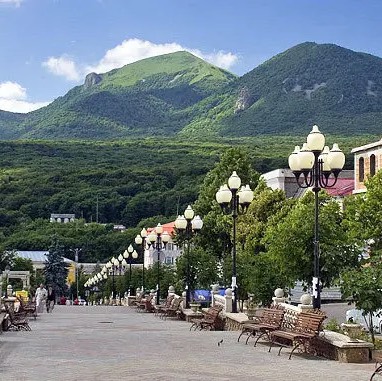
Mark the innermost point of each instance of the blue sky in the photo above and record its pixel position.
(48, 46)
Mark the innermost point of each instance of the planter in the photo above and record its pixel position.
(195, 306)
(353, 330)
(251, 312)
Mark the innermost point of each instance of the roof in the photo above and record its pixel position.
(169, 228)
(343, 187)
(36, 256)
(367, 146)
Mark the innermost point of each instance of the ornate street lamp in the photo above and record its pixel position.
(189, 224)
(6, 272)
(319, 168)
(140, 240)
(158, 239)
(129, 254)
(234, 200)
(113, 266)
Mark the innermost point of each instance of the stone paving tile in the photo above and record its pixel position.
(91, 343)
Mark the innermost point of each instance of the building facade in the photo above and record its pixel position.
(168, 255)
(285, 180)
(367, 162)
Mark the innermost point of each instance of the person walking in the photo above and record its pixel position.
(51, 299)
(41, 295)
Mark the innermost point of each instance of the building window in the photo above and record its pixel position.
(361, 169)
(169, 261)
(372, 165)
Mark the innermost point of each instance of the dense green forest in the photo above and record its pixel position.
(133, 182)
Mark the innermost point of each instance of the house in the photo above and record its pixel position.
(285, 180)
(367, 162)
(59, 217)
(168, 255)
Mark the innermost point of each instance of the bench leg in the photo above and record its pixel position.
(377, 371)
(241, 334)
(260, 336)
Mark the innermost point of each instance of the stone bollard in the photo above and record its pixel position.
(228, 300)
(9, 291)
(171, 290)
(214, 291)
(184, 295)
(279, 296)
(306, 302)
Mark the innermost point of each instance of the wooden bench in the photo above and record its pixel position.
(146, 304)
(270, 319)
(167, 304)
(29, 308)
(209, 320)
(300, 334)
(173, 310)
(137, 300)
(16, 321)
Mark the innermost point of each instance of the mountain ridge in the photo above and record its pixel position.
(180, 94)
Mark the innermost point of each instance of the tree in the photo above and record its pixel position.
(259, 273)
(202, 266)
(289, 241)
(363, 216)
(23, 264)
(363, 287)
(216, 236)
(56, 270)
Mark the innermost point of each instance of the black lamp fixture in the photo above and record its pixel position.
(158, 239)
(140, 240)
(189, 224)
(130, 254)
(315, 166)
(234, 199)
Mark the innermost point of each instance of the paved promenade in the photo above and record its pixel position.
(94, 343)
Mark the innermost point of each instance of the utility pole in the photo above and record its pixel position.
(76, 252)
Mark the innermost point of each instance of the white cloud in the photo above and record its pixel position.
(222, 59)
(14, 105)
(13, 97)
(63, 66)
(134, 49)
(12, 90)
(127, 52)
(17, 3)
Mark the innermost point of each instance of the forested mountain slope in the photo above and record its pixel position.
(180, 94)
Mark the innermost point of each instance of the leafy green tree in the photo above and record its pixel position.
(7, 258)
(363, 287)
(202, 267)
(216, 236)
(289, 241)
(23, 264)
(259, 273)
(363, 216)
(56, 270)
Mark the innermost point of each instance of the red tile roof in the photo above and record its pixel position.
(343, 187)
(169, 228)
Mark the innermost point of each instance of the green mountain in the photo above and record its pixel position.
(180, 94)
(149, 97)
(336, 88)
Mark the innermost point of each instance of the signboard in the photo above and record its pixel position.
(71, 273)
(22, 294)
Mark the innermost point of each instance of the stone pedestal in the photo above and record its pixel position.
(130, 300)
(346, 349)
(279, 296)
